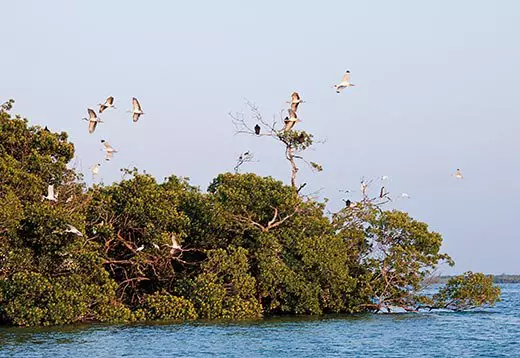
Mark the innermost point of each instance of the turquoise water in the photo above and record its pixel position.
(493, 332)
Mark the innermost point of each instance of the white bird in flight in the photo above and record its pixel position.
(92, 120)
(50, 194)
(345, 82)
(109, 103)
(137, 111)
(290, 121)
(109, 150)
(405, 196)
(295, 101)
(95, 169)
(458, 174)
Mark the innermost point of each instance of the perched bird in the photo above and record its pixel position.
(405, 196)
(50, 194)
(140, 248)
(295, 101)
(109, 103)
(137, 110)
(345, 82)
(175, 245)
(95, 169)
(155, 246)
(109, 150)
(93, 120)
(301, 138)
(458, 174)
(46, 129)
(257, 129)
(363, 187)
(71, 229)
(290, 121)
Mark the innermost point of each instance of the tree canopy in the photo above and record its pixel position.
(247, 247)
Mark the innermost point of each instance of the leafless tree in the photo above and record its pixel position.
(294, 142)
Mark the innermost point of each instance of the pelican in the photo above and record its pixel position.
(93, 120)
(290, 121)
(257, 129)
(295, 101)
(458, 174)
(109, 103)
(345, 82)
(137, 110)
(50, 194)
(71, 229)
(109, 150)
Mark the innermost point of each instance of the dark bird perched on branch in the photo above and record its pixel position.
(257, 129)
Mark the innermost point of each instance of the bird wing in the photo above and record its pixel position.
(110, 100)
(294, 106)
(346, 77)
(136, 116)
(92, 126)
(295, 96)
(108, 147)
(137, 106)
(92, 115)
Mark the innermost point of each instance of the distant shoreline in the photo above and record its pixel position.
(502, 278)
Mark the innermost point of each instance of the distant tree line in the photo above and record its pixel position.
(246, 248)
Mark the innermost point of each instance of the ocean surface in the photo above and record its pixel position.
(490, 332)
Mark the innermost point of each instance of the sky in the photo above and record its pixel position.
(437, 90)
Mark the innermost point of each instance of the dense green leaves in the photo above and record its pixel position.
(247, 248)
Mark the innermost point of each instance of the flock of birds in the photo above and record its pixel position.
(137, 111)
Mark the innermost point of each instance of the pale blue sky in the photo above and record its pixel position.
(437, 90)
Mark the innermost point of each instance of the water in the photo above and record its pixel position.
(493, 332)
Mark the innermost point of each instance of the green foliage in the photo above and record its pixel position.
(163, 306)
(467, 291)
(249, 247)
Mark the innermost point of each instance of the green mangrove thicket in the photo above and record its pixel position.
(246, 248)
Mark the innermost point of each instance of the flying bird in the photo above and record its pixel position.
(50, 194)
(290, 121)
(71, 229)
(405, 196)
(137, 110)
(109, 103)
(257, 129)
(345, 82)
(295, 101)
(109, 150)
(95, 169)
(93, 120)
(458, 174)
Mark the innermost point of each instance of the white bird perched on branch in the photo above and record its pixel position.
(109, 103)
(109, 150)
(345, 82)
(137, 111)
(50, 194)
(93, 120)
(175, 245)
(295, 101)
(71, 229)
